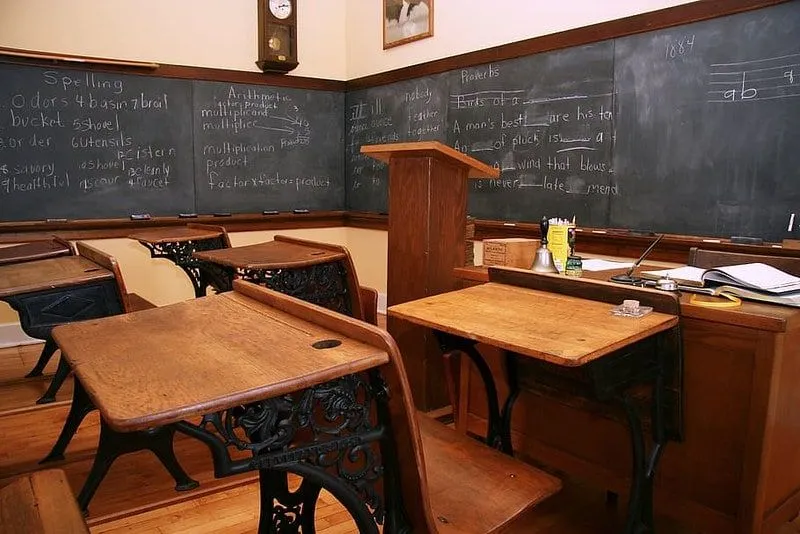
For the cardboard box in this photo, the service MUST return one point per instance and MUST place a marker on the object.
(512, 252)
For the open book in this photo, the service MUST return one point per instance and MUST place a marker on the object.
(753, 276)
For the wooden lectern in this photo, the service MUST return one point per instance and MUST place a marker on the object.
(427, 226)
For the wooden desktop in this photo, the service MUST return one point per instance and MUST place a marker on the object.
(737, 469)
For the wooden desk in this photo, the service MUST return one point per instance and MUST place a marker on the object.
(304, 397)
(47, 293)
(737, 469)
(613, 352)
(177, 244)
(323, 276)
(37, 250)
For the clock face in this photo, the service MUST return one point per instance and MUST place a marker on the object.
(281, 9)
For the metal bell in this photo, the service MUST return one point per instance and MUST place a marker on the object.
(543, 261)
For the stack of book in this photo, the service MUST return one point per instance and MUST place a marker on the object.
(752, 281)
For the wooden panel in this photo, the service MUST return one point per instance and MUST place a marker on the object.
(699, 481)
(26, 277)
(782, 461)
(427, 206)
(560, 329)
(17, 232)
(431, 149)
(271, 255)
(162, 391)
(40, 503)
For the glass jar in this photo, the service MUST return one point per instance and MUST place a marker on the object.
(574, 266)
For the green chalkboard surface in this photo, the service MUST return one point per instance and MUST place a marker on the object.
(77, 144)
(86, 145)
(687, 130)
(267, 148)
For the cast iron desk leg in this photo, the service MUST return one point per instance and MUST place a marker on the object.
(81, 407)
(114, 444)
(496, 435)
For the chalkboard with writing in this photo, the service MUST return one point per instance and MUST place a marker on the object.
(547, 123)
(267, 148)
(683, 130)
(76, 144)
(414, 110)
(708, 139)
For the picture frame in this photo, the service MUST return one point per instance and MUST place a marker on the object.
(405, 21)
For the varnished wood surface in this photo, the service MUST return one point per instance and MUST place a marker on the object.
(233, 508)
(37, 250)
(458, 467)
(434, 149)
(159, 366)
(19, 278)
(563, 330)
(759, 315)
(730, 476)
(270, 255)
(40, 503)
(174, 234)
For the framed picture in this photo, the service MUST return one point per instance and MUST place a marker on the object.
(406, 20)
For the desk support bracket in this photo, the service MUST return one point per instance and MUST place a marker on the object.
(200, 273)
(325, 434)
(496, 434)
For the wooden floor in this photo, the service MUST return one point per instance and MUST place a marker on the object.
(138, 496)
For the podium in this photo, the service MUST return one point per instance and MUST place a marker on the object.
(427, 229)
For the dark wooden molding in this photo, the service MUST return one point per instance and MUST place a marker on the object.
(186, 73)
(645, 22)
(612, 242)
(19, 232)
(367, 220)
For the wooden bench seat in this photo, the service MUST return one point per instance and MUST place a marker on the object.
(40, 503)
(473, 488)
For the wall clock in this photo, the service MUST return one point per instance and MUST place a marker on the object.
(277, 35)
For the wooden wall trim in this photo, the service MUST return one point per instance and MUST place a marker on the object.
(645, 22)
(186, 73)
(611, 242)
(114, 228)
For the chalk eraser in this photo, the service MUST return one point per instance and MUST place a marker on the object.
(299, 211)
(140, 217)
(222, 214)
(740, 240)
(55, 220)
(269, 212)
(187, 215)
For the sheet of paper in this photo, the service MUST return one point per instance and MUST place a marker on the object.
(687, 273)
(596, 264)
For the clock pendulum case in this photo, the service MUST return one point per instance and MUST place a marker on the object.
(277, 35)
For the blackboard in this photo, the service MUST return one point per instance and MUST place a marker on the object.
(707, 136)
(546, 122)
(78, 144)
(683, 130)
(413, 110)
(267, 148)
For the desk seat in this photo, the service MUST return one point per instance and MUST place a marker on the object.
(40, 503)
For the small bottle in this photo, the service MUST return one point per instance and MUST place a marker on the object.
(574, 266)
